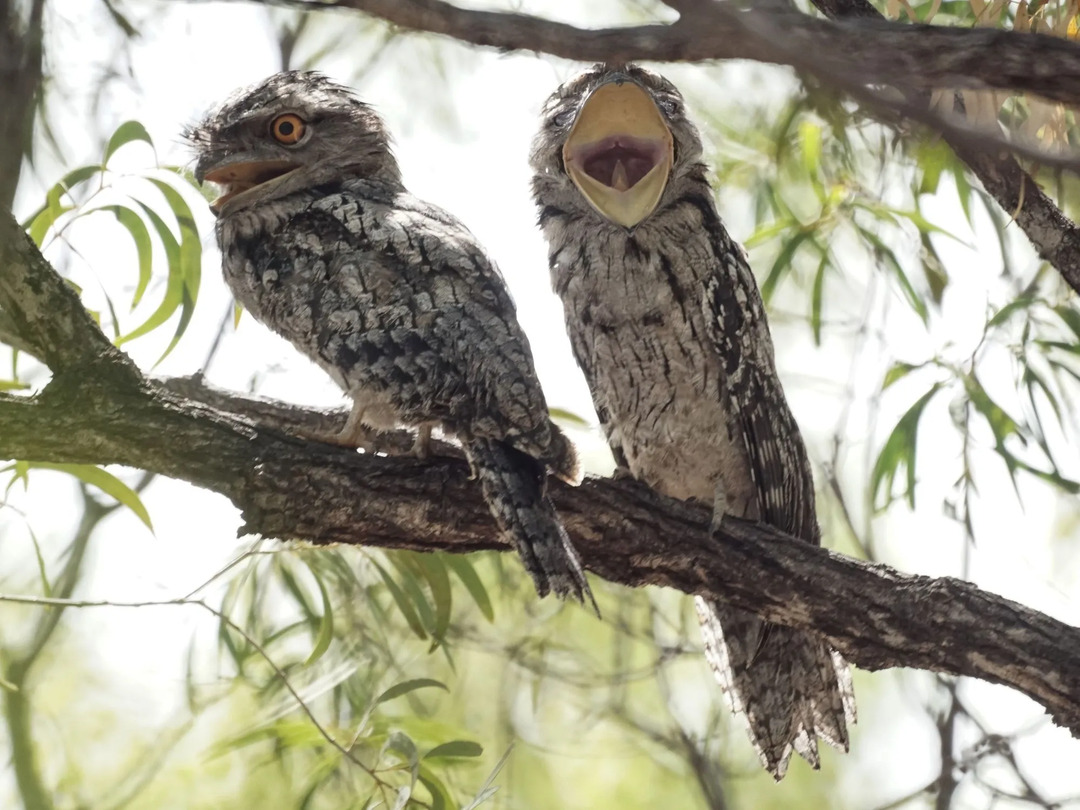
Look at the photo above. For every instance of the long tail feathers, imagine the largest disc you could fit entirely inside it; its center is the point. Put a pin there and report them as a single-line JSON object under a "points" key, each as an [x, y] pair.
{"points": [[789, 686], [514, 488]]}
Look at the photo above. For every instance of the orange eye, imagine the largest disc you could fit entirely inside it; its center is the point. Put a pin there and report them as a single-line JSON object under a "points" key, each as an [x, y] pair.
{"points": [[288, 128]]}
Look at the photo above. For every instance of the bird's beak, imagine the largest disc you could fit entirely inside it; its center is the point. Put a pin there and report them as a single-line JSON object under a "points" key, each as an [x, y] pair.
{"points": [[237, 177], [620, 151]]}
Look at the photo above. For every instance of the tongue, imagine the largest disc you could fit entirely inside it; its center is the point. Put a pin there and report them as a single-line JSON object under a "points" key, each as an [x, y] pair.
{"points": [[619, 179]]}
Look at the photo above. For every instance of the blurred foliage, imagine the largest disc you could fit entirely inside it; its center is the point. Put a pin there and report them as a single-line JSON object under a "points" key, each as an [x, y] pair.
{"points": [[351, 678]]}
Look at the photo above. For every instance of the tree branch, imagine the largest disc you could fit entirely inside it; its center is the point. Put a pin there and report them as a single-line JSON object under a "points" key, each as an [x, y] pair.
{"points": [[1054, 235], [858, 49], [291, 488], [878, 51]]}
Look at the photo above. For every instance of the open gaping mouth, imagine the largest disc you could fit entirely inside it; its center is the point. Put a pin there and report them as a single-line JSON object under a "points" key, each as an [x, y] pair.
{"points": [[236, 178], [619, 152], [619, 161]]}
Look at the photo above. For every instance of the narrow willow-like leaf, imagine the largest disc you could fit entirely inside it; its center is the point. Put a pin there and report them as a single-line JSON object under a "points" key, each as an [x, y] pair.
{"points": [[403, 602], [440, 796], [464, 571], [174, 287], [190, 258], [816, 296], [900, 451], [106, 482], [140, 235], [126, 133], [783, 264], [455, 748], [438, 580], [326, 626], [403, 688]]}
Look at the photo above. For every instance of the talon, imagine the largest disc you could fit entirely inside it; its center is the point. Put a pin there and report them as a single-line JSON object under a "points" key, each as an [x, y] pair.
{"points": [[354, 434], [422, 447], [719, 506]]}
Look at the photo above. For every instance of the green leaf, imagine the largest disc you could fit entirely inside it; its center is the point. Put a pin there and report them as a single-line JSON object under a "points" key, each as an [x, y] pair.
{"points": [[126, 133], [933, 160], [438, 580], [440, 796], [464, 571], [326, 626], [174, 287], [141, 237], [816, 296], [900, 451], [1071, 318], [1003, 314], [563, 415], [933, 269], [106, 482], [782, 264], [44, 220], [897, 372], [884, 254], [403, 603], [767, 232], [411, 577], [13, 385], [190, 257], [810, 143], [403, 688], [455, 748]]}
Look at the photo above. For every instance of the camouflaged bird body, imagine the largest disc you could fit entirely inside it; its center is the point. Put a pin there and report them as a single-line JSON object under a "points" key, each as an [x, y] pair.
{"points": [[397, 302], [667, 323], [393, 297], [638, 297]]}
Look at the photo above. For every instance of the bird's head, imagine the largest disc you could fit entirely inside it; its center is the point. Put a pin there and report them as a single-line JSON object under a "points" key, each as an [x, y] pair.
{"points": [[292, 131], [615, 141]]}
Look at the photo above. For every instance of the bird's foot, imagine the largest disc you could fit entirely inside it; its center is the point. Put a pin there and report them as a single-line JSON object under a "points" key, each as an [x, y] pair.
{"points": [[354, 434], [719, 506], [422, 447]]}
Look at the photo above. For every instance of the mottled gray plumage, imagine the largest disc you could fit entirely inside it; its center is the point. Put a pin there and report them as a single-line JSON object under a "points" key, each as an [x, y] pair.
{"points": [[391, 296], [667, 323]]}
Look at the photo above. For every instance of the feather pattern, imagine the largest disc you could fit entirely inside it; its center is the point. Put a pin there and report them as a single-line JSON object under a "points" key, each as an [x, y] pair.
{"points": [[391, 296], [667, 323]]}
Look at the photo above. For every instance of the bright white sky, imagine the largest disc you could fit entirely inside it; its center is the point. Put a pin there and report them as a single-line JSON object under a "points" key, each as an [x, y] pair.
{"points": [[467, 151]]}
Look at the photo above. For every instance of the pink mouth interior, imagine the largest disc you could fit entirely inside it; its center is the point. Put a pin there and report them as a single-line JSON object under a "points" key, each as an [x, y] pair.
{"points": [[619, 161]]}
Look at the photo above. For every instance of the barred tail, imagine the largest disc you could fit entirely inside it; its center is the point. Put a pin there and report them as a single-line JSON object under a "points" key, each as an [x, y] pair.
{"points": [[790, 687], [513, 484]]}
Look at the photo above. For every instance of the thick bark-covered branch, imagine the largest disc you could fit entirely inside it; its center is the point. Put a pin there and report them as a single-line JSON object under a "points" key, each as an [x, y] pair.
{"points": [[290, 488], [100, 411], [877, 51], [857, 49]]}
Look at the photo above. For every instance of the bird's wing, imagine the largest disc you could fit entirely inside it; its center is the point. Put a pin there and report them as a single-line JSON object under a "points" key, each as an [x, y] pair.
{"points": [[450, 297], [735, 315]]}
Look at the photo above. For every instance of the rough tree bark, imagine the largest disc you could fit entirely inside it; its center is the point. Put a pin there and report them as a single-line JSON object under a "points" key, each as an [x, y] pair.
{"points": [[853, 50], [100, 409]]}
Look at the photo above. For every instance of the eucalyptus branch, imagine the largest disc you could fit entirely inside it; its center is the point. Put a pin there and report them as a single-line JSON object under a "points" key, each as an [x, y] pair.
{"points": [[101, 410]]}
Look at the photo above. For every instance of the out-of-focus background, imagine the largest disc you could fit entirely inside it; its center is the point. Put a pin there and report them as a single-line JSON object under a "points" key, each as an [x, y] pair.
{"points": [[930, 357]]}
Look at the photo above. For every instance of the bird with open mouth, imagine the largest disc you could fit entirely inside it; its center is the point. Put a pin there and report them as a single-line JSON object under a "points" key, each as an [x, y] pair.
{"points": [[667, 323], [394, 298]]}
